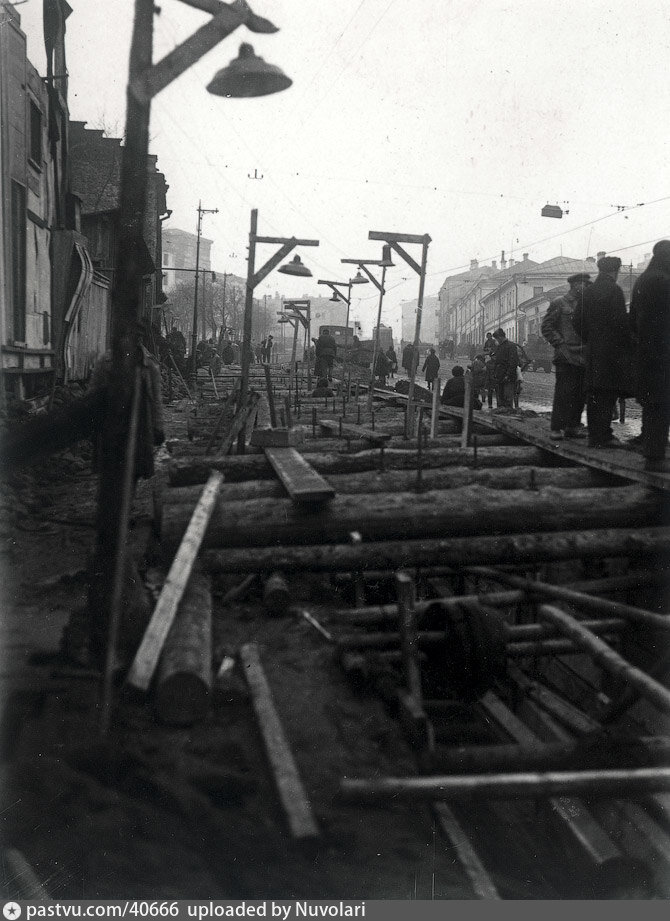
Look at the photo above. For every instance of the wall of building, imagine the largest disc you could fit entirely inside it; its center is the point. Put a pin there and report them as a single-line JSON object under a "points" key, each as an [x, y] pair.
{"points": [[26, 187]]}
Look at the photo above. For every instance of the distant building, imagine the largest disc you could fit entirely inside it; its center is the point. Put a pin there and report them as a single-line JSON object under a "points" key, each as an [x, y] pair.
{"points": [[179, 252], [430, 319]]}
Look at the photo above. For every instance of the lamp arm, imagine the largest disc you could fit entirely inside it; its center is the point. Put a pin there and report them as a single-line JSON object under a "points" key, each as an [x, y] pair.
{"points": [[406, 256], [265, 270]]}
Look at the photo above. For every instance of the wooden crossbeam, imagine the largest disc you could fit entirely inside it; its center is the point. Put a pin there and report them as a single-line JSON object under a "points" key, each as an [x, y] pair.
{"points": [[301, 481], [287, 778]]}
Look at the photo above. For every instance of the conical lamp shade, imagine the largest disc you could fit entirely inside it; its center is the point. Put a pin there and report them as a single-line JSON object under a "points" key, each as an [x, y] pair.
{"points": [[248, 75], [335, 299], [359, 280], [295, 267]]}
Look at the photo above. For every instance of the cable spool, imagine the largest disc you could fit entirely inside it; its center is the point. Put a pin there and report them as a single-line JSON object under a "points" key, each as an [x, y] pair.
{"points": [[474, 653]]}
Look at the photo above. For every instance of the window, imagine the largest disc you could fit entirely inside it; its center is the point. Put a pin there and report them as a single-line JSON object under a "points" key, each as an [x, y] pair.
{"points": [[18, 261], [537, 289], [35, 135]]}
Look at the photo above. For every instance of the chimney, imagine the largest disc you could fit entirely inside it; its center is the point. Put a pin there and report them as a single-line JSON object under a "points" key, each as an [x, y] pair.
{"points": [[511, 262], [525, 256], [474, 265], [494, 265], [503, 263]]}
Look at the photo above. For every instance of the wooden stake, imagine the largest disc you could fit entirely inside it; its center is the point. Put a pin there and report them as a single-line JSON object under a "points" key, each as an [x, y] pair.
{"points": [[437, 389]]}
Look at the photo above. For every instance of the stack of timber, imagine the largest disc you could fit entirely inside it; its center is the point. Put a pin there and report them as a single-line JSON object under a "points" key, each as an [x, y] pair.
{"points": [[498, 675]]}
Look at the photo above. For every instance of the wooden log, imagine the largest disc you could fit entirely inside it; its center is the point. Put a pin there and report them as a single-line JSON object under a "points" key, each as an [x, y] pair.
{"points": [[469, 510], [607, 658], [388, 613], [237, 468], [400, 480], [578, 599], [482, 884], [487, 787], [289, 785], [146, 657], [636, 543], [276, 594], [598, 751], [184, 679]]}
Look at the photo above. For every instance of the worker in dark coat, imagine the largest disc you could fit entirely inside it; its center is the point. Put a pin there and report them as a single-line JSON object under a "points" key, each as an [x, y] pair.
{"points": [[454, 390], [559, 331], [410, 358], [431, 366], [650, 322], [505, 362], [393, 358], [602, 322], [382, 368], [326, 352]]}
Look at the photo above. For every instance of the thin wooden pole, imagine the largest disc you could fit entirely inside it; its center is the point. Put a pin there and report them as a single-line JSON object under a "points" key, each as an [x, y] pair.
{"points": [[484, 787], [606, 657], [120, 557], [375, 348], [417, 339], [248, 315]]}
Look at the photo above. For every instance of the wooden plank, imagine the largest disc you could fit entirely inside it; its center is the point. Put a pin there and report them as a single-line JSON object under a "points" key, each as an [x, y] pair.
{"points": [[354, 431], [148, 653], [301, 481], [623, 463], [569, 811], [289, 785], [277, 437], [482, 883]]}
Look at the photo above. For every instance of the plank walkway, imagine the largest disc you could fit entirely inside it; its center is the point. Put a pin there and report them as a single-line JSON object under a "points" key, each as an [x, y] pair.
{"points": [[535, 431]]}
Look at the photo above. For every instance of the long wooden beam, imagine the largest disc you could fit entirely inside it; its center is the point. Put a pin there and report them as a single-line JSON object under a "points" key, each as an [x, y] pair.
{"points": [[632, 543], [289, 785], [579, 599], [486, 787], [148, 653]]}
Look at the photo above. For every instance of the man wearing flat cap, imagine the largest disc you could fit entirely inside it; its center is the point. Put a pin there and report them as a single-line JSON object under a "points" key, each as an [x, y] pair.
{"points": [[602, 322], [650, 322], [558, 329]]}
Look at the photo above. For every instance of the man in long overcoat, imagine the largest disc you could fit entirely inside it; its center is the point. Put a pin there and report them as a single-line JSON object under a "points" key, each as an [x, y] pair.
{"points": [[505, 362], [603, 325], [558, 329], [325, 351], [431, 366], [650, 322]]}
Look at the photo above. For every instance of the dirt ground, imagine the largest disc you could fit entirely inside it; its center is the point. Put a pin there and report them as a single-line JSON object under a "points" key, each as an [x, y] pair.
{"points": [[154, 812]]}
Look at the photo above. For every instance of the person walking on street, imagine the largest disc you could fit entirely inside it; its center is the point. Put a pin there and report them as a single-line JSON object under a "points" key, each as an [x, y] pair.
{"points": [[393, 358], [650, 322], [505, 362], [490, 381], [559, 331], [603, 325], [490, 344], [431, 366], [410, 358], [267, 350], [326, 352]]}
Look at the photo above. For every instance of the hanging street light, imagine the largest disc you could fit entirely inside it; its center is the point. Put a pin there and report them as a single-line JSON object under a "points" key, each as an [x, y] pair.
{"points": [[385, 262], [248, 75], [295, 267], [145, 81]]}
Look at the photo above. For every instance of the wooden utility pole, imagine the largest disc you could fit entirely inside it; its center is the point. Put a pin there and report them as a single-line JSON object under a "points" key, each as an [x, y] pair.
{"points": [[394, 240], [145, 81]]}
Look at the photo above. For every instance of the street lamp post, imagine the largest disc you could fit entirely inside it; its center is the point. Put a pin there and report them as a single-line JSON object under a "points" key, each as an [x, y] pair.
{"points": [[394, 240], [385, 262], [346, 298], [119, 428], [254, 278], [194, 332]]}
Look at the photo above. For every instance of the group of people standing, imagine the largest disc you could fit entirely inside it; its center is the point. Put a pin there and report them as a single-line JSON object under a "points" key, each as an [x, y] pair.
{"points": [[603, 353]]}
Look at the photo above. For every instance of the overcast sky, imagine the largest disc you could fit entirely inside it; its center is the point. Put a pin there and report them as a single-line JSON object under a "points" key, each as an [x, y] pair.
{"points": [[456, 118]]}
